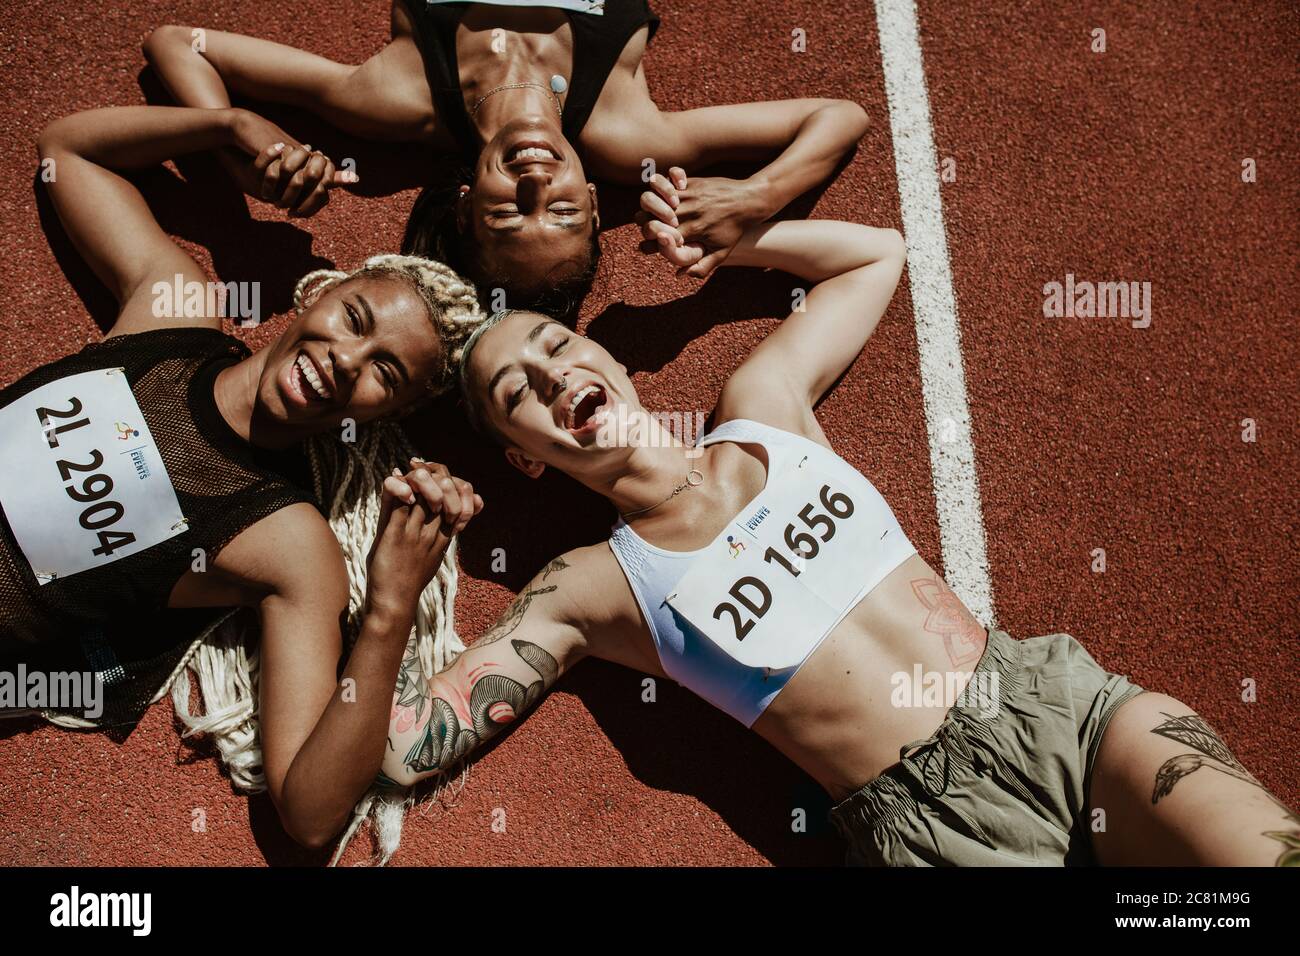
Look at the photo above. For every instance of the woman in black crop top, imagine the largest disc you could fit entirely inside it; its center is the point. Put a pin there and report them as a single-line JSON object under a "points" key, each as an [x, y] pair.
{"points": [[363, 346], [535, 99]]}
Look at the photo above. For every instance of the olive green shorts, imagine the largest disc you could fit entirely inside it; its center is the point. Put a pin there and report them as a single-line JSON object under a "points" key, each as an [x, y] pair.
{"points": [[1004, 780]]}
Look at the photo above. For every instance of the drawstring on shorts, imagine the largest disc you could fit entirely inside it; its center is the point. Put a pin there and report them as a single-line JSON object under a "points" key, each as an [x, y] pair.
{"points": [[958, 740]]}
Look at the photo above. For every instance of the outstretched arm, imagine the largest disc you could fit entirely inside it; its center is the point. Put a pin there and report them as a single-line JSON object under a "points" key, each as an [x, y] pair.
{"points": [[104, 214], [190, 61], [856, 269], [853, 271], [808, 135], [386, 98], [798, 141], [493, 684]]}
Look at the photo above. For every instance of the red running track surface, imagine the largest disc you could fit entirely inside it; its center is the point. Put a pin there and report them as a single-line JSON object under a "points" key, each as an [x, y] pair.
{"points": [[1088, 433]]}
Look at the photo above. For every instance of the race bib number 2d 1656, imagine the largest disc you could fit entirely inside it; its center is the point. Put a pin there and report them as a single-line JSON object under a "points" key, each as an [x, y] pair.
{"points": [[82, 482], [783, 573]]}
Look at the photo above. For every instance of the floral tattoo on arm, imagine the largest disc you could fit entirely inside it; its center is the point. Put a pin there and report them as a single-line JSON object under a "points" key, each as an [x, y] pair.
{"points": [[468, 706]]}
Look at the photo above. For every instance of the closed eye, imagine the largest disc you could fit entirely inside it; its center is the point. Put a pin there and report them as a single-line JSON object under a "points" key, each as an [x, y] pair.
{"points": [[512, 212], [515, 397]]}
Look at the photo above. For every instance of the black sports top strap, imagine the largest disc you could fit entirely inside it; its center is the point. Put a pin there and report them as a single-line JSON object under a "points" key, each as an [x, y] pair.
{"points": [[598, 41]]}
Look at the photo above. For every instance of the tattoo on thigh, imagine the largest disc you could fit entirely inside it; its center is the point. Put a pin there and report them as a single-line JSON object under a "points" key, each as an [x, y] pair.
{"points": [[1193, 731], [1211, 751], [947, 616], [1290, 839]]}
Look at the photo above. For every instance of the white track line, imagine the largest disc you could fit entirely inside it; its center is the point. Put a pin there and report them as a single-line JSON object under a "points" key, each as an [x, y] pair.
{"points": [[938, 335]]}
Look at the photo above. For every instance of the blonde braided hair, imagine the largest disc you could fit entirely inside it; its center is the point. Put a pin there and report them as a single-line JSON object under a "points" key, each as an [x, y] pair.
{"points": [[452, 302], [348, 479]]}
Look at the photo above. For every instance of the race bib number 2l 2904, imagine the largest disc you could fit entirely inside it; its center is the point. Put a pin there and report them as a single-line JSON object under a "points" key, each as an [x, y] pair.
{"points": [[782, 574], [82, 482]]}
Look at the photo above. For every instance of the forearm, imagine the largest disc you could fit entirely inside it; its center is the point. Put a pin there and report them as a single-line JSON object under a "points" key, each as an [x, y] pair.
{"points": [[230, 63], [438, 722], [186, 63], [815, 249], [822, 139], [341, 758], [128, 137]]}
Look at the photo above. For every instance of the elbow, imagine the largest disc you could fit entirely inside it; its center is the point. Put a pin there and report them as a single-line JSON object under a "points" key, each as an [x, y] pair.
{"points": [[310, 829], [44, 143], [162, 40], [307, 833], [312, 840], [53, 137]]}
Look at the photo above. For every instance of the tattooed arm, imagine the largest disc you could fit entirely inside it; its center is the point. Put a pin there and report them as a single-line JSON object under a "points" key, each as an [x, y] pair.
{"points": [[434, 723]]}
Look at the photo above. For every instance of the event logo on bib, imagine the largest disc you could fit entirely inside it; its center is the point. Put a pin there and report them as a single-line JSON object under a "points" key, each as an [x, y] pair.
{"points": [[84, 483]]}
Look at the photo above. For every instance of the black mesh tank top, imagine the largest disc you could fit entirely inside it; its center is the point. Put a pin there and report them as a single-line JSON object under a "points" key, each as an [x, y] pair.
{"points": [[598, 42], [113, 619]]}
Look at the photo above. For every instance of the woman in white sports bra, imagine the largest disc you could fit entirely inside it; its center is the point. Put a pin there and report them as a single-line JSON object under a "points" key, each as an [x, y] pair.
{"points": [[766, 574]]}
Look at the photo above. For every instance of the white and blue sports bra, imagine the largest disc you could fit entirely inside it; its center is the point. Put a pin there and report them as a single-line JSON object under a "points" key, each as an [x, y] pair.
{"points": [[798, 558]]}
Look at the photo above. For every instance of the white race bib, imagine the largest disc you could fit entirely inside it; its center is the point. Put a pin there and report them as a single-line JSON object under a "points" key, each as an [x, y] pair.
{"points": [[83, 484], [783, 573]]}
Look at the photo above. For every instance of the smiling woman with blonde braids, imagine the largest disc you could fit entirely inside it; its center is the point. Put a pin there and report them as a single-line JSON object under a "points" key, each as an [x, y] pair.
{"points": [[103, 544]]}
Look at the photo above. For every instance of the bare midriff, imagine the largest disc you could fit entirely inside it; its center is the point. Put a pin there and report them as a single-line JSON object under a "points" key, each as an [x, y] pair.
{"points": [[839, 717], [844, 716]]}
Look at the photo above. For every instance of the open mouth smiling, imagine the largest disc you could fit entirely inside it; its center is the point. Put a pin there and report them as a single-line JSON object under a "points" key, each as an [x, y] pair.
{"points": [[585, 409], [529, 153], [307, 382]]}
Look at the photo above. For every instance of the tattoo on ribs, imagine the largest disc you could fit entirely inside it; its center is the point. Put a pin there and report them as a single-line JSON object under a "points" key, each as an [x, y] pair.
{"points": [[963, 637], [493, 700]]}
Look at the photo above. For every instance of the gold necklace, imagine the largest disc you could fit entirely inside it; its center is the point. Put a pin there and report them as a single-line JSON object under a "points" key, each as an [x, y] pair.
{"points": [[694, 478], [519, 86]]}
